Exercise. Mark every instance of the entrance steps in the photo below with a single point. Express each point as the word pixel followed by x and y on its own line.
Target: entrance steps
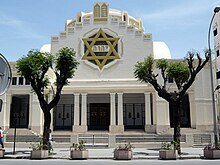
pixel 22 138
pixel 21 135
pixel 103 139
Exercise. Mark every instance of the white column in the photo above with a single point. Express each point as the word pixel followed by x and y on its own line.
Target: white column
pixel 30 110
pixel 76 109
pixel 120 109
pixel 147 109
pixel 84 109
pixel 112 107
pixel 6 110
pixel 37 116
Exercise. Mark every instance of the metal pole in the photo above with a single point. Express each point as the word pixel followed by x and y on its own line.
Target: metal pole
pixel 15 122
pixel 212 83
pixel 93 140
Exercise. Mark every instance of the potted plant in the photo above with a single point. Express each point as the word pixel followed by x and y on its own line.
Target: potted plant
pixel 39 151
pixel 2 153
pixel 124 153
pixel 79 151
pixel 211 151
pixel 167 151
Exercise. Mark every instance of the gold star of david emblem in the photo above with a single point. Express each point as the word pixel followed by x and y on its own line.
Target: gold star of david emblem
pixel 100 49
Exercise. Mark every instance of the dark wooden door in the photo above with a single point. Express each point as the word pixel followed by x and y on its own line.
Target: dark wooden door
pixel 63 117
pixel 99 116
pixel 19 116
pixel 184 113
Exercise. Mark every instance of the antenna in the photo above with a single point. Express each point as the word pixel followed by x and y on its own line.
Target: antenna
pixel 5 77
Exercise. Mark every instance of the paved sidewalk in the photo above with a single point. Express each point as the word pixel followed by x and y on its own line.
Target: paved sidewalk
pixel 138 153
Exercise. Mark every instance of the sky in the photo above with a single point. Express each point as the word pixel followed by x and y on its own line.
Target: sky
pixel 29 24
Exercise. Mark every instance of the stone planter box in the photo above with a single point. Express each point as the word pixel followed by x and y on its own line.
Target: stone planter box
pixel 211 154
pixel 2 153
pixel 168 154
pixel 123 154
pixel 39 154
pixel 77 154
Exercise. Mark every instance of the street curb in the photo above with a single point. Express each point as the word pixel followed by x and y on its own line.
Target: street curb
pixel 95 158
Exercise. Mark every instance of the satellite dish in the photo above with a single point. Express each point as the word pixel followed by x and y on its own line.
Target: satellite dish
pixel 5 75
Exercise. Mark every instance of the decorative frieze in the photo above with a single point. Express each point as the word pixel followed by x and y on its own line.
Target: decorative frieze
pixel 147 37
pixel 86 21
pixel 138 33
pixel 122 24
pixel 114 20
pixel 70 30
pixel 62 35
pixel 100 19
pixel 78 25
pixel 130 29
pixel 54 39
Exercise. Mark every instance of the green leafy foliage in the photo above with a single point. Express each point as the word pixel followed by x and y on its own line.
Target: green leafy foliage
pixel 179 71
pixel 126 147
pixel 162 64
pixel 212 147
pixel 183 73
pixel 66 62
pixel 143 70
pixel 34 66
pixel 38 146
pixel 168 145
pixel 79 146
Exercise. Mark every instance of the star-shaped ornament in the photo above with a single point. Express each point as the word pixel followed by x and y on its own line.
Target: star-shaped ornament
pixel 100 49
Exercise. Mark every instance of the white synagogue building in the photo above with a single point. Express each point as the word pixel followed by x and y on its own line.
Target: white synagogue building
pixel 104 97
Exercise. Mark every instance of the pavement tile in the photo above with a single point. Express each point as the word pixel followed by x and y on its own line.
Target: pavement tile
pixel 138 153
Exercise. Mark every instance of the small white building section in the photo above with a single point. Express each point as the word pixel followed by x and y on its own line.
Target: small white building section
pixel 104 94
pixel 216 34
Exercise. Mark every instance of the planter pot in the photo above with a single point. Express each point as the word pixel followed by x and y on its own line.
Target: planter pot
pixel 211 154
pixel 39 154
pixel 77 154
pixel 123 154
pixel 168 154
pixel 2 153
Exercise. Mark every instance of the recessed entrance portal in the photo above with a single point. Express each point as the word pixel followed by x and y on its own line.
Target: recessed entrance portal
pixel 134 116
pixel 63 113
pixel 63 117
pixel 19 116
pixel 99 116
pixel 134 110
pixel 184 113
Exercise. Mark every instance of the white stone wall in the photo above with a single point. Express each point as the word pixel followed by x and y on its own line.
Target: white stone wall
pixel 134 45
pixel 132 48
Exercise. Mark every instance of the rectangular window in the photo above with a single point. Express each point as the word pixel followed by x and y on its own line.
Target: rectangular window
pixel 217 53
pixel 14 80
pixel 215 32
pixel 218 75
pixel 170 80
pixel 27 82
pixel 20 81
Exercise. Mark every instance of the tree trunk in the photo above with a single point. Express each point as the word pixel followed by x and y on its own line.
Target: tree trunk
pixel 47 121
pixel 177 134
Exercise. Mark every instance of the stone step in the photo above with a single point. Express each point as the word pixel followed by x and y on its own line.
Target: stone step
pixel 19 131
